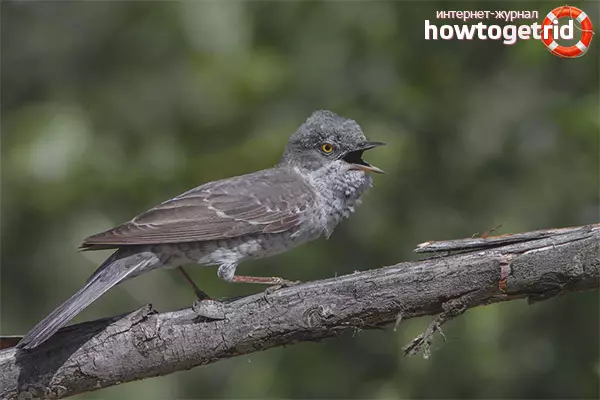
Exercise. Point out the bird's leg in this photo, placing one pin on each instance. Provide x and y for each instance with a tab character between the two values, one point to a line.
227	273
265	280
199	293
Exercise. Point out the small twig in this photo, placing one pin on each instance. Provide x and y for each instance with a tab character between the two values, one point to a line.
452	309
398	321
479	243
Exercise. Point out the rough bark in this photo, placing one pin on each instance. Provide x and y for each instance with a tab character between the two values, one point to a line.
142	344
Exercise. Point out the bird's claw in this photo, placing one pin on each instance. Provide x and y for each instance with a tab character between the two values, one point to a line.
280	284
201	295
286	283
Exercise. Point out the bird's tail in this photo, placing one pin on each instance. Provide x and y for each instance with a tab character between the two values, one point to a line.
121	265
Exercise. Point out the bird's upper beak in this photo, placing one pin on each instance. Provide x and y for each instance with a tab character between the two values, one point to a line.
354	157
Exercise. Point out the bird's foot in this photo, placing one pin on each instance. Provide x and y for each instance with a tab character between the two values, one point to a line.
200	294
286	283
264	280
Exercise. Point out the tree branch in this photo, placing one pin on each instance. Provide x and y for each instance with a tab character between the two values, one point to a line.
142	344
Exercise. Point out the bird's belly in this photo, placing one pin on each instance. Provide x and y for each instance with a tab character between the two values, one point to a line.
236	250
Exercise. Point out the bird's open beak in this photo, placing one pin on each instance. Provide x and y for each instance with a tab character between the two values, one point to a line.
355	158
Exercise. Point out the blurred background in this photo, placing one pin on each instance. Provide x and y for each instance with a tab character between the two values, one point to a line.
109	108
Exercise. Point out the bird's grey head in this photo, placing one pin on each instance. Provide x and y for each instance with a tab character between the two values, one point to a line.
327	140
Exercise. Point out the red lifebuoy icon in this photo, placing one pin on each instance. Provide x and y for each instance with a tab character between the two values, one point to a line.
587	32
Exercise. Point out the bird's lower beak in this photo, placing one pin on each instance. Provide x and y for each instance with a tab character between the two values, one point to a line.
355	158
368	168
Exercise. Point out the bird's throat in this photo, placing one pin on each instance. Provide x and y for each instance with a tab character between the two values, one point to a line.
340	191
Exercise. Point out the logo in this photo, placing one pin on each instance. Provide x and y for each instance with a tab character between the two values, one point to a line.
551	24
509	32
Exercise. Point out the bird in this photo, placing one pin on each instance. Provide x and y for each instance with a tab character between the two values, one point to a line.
318	182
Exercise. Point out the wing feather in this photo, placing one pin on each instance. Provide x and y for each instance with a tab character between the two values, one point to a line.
270	201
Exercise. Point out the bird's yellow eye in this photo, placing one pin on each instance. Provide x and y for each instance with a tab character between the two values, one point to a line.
327	148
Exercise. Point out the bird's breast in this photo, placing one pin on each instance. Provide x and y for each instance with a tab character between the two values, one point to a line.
342	197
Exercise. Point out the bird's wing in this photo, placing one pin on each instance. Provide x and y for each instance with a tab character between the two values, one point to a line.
270	201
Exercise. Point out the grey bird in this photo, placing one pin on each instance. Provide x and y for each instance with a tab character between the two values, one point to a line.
317	183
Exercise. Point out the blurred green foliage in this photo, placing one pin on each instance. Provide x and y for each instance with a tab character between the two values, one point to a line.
111	107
